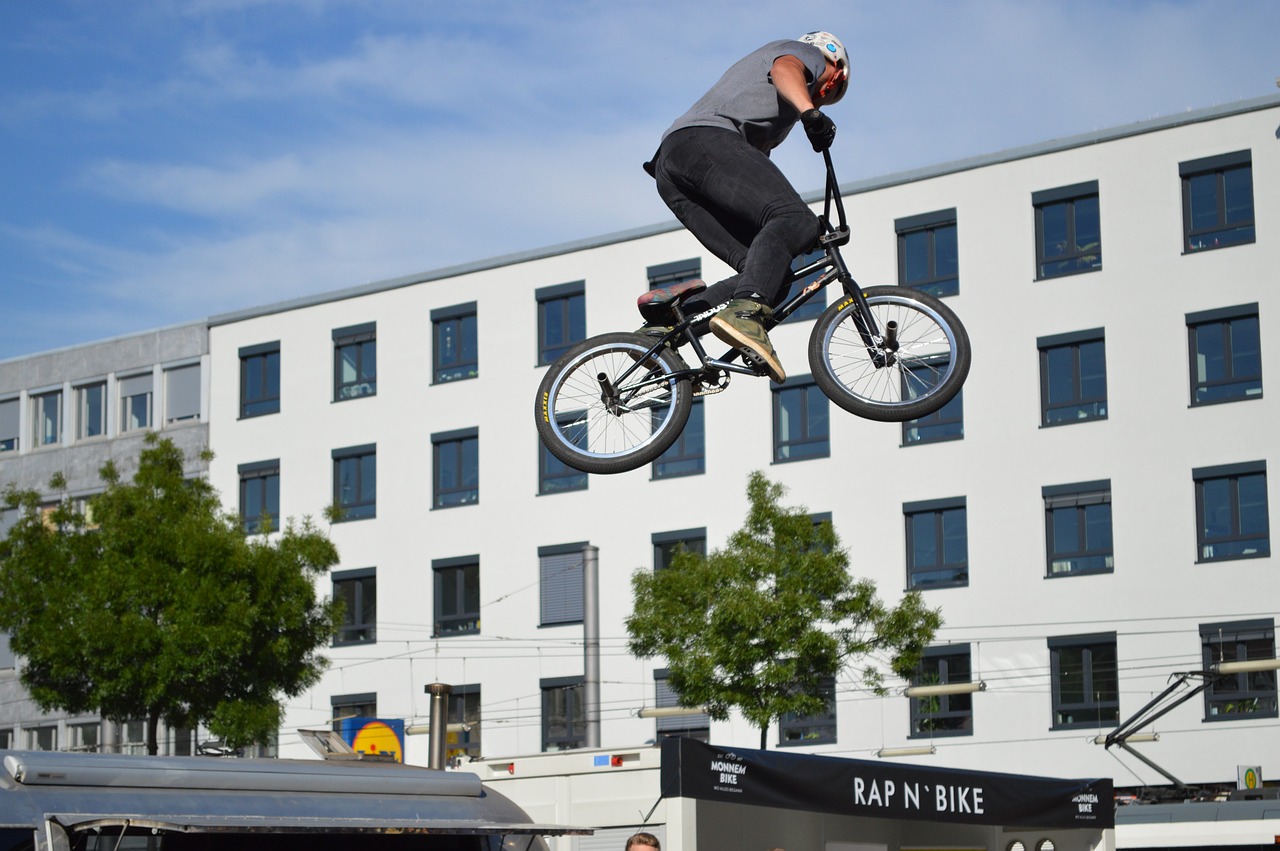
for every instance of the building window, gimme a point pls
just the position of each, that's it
(457, 596)
(135, 402)
(928, 257)
(946, 423)
(667, 544)
(1226, 355)
(454, 343)
(456, 456)
(1073, 378)
(463, 736)
(560, 584)
(555, 476)
(260, 380)
(818, 729)
(347, 706)
(937, 543)
(944, 714)
(562, 319)
(91, 410)
(1231, 511)
(84, 737)
(355, 482)
(801, 421)
(1068, 230)
(358, 591)
(817, 303)
(355, 361)
(10, 425)
(40, 738)
(688, 455)
(1077, 523)
(1231, 697)
(1086, 689)
(676, 272)
(1217, 201)
(563, 718)
(182, 392)
(695, 725)
(46, 418)
(260, 496)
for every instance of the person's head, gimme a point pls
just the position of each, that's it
(641, 841)
(836, 81)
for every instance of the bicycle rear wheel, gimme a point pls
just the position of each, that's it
(604, 407)
(922, 370)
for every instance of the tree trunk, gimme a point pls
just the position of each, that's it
(764, 737)
(153, 741)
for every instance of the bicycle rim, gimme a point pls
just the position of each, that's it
(926, 370)
(596, 433)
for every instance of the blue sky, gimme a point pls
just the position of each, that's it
(172, 159)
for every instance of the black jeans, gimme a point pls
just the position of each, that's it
(739, 206)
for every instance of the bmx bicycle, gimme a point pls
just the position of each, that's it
(617, 401)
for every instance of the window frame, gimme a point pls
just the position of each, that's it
(665, 543)
(364, 509)
(1231, 474)
(91, 425)
(814, 432)
(937, 509)
(929, 225)
(950, 708)
(260, 366)
(1217, 167)
(574, 717)
(259, 474)
(1079, 401)
(1090, 672)
(1224, 319)
(464, 320)
(688, 455)
(1077, 260)
(361, 339)
(457, 451)
(555, 476)
(810, 730)
(695, 725)
(359, 622)
(38, 404)
(1078, 497)
(1212, 641)
(177, 407)
(11, 424)
(570, 303)
(561, 600)
(135, 383)
(465, 619)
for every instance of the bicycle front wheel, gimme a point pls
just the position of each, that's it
(606, 407)
(917, 364)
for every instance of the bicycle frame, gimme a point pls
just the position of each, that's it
(833, 236)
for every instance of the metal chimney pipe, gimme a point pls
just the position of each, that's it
(591, 643)
(439, 723)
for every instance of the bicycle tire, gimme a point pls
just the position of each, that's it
(927, 370)
(579, 425)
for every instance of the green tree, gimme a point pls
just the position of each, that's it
(763, 623)
(154, 604)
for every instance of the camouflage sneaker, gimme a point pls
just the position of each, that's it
(741, 325)
(658, 332)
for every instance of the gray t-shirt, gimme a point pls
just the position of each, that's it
(745, 101)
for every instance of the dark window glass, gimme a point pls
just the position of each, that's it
(1226, 358)
(457, 598)
(937, 545)
(1086, 690)
(1217, 202)
(358, 591)
(1231, 506)
(457, 469)
(456, 348)
(1242, 695)
(801, 421)
(946, 714)
(688, 455)
(355, 484)
(1073, 382)
(1078, 529)
(260, 383)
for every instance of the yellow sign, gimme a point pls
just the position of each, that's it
(378, 738)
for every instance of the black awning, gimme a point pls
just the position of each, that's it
(692, 769)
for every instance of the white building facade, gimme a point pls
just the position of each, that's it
(1092, 516)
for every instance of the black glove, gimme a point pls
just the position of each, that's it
(820, 129)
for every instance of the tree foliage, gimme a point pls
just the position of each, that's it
(761, 625)
(153, 604)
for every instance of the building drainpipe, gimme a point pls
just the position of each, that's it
(439, 723)
(591, 643)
